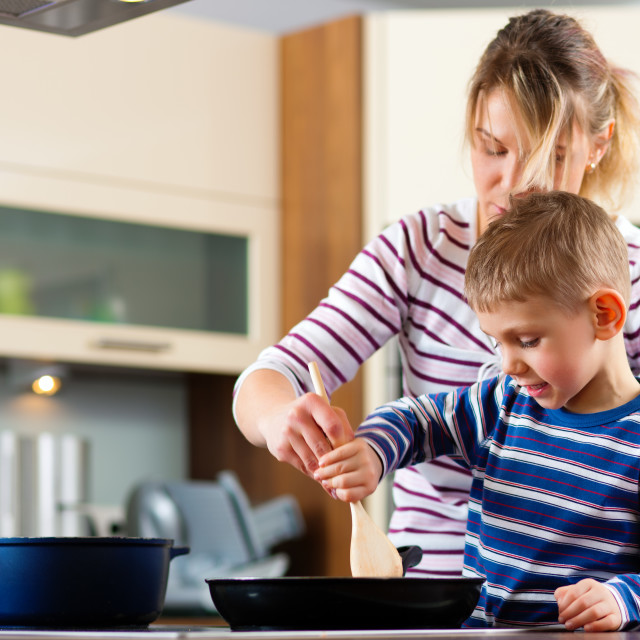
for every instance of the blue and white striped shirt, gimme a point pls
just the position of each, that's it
(554, 496)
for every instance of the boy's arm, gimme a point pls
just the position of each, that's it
(411, 430)
(389, 437)
(408, 431)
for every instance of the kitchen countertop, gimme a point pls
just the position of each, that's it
(224, 633)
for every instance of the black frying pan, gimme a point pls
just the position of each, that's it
(287, 604)
(83, 583)
(260, 604)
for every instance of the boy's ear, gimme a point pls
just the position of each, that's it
(609, 313)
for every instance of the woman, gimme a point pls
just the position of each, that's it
(545, 110)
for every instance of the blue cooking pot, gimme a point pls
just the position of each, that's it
(83, 583)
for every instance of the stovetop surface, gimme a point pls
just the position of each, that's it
(171, 632)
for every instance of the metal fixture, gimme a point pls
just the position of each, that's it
(76, 17)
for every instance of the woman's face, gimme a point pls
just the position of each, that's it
(497, 163)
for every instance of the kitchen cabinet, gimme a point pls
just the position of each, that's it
(143, 163)
(100, 284)
(165, 102)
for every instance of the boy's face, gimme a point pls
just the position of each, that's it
(550, 352)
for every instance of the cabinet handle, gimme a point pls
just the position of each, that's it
(132, 345)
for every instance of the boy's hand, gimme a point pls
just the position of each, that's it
(351, 472)
(588, 604)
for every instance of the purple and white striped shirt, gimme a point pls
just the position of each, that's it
(408, 282)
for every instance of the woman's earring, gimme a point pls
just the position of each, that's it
(591, 167)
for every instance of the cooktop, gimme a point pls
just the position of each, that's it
(154, 632)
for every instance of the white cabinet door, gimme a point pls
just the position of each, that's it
(88, 274)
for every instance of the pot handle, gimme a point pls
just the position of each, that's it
(178, 551)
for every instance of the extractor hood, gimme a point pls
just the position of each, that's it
(76, 17)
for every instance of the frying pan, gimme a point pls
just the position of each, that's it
(290, 603)
(83, 583)
(263, 604)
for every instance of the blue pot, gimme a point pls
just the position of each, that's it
(83, 583)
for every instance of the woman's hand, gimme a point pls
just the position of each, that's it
(298, 431)
(588, 604)
(303, 431)
(350, 472)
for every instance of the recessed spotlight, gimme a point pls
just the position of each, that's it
(46, 385)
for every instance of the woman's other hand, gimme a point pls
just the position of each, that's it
(588, 604)
(351, 472)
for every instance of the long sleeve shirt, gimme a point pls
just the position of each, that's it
(554, 496)
(408, 282)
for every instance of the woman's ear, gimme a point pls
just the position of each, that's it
(601, 141)
(609, 313)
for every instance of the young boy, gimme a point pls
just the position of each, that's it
(553, 443)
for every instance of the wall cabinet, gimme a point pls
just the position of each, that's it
(139, 205)
(107, 284)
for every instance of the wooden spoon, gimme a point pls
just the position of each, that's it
(372, 553)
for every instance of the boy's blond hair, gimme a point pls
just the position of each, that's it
(556, 244)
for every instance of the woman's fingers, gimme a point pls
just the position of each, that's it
(306, 430)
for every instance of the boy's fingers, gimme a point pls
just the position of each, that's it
(609, 623)
(560, 594)
(591, 617)
(335, 455)
(587, 605)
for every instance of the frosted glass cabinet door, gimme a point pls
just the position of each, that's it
(107, 271)
(158, 285)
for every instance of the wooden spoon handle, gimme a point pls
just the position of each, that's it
(316, 378)
(372, 553)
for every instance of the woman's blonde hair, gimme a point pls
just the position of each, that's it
(554, 76)
(556, 244)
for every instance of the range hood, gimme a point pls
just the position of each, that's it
(76, 17)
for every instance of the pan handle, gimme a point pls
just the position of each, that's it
(178, 551)
(411, 556)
